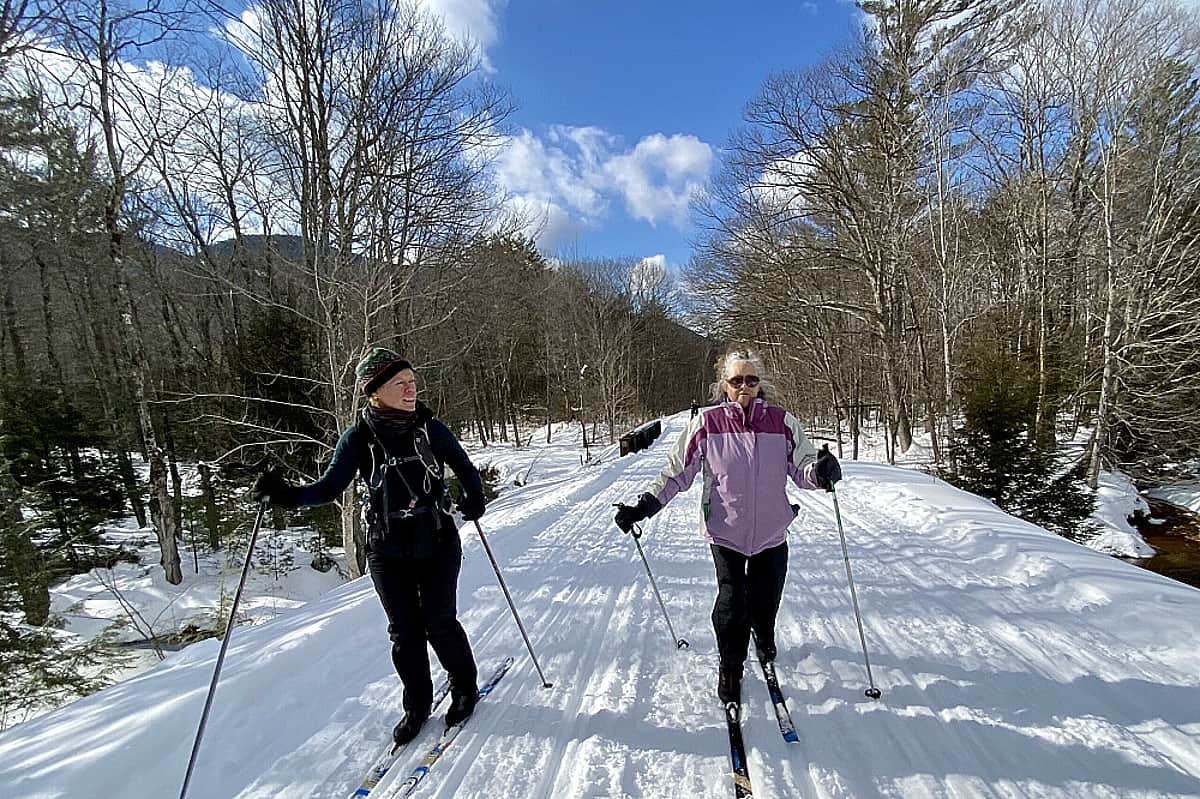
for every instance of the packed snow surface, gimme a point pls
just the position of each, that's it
(1012, 663)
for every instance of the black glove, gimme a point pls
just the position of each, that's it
(270, 487)
(470, 505)
(827, 471)
(628, 515)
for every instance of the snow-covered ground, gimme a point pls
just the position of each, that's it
(1186, 495)
(1116, 500)
(1012, 663)
(132, 601)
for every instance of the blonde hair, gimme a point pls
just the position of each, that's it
(724, 366)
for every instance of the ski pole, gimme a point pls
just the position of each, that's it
(212, 688)
(871, 692)
(680, 643)
(511, 606)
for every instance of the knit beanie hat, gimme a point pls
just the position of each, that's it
(377, 368)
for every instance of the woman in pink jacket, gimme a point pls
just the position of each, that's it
(746, 449)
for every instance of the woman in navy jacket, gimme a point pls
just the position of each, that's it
(414, 553)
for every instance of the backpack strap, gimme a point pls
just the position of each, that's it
(384, 459)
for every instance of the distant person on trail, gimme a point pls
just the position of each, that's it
(695, 409)
(747, 449)
(413, 549)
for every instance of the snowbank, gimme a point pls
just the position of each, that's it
(1116, 500)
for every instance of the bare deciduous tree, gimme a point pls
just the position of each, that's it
(100, 42)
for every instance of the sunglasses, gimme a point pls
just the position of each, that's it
(737, 380)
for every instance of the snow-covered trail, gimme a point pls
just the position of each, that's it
(1012, 663)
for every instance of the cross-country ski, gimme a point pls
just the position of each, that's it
(742, 788)
(394, 751)
(784, 717)
(421, 770)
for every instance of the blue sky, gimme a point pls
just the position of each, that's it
(623, 106)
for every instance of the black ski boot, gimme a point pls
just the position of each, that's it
(461, 707)
(729, 685)
(766, 650)
(408, 727)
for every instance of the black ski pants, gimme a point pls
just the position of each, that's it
(748, 593)
(419, 596)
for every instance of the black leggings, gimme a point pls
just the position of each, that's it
(748, 593)
(419, 596)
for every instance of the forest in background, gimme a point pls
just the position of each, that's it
(193, 259)
(979, 220)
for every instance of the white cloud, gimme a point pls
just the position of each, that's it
(781, 186)
(473, 21)
(661, 175)
(654, 264)
(648, 274)
(552, 172)
(584, 170)
(650, 281)
(242, 33)
(548, 224)
(470, 20)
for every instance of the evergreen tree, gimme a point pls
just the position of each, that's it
(997, 456)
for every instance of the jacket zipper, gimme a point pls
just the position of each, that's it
(754, 484)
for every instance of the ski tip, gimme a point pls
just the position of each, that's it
(791, 737)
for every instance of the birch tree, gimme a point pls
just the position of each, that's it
(101, 41)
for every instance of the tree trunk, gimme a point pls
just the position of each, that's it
(1043, 421)
(353, 540)
(1103, 405)
(162, 511)
(947, 382)
(48, 318)
(176, 486)
(133, 491)
(26, 561)
(855, 417)
(926, 382)
(212, 516)
(897, 426)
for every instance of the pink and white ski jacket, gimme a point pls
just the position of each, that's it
(746, 457)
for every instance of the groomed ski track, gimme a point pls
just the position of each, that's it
(1012, 663)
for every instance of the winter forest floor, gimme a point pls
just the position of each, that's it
(1013, 663)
